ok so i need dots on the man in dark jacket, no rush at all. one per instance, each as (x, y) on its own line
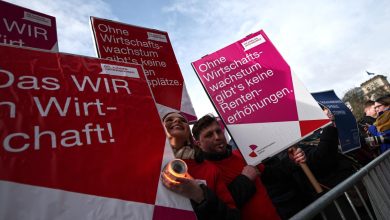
(365, 153)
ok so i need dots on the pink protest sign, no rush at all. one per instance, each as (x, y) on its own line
(27, 28)
(265, 107)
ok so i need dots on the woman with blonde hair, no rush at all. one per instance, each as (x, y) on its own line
(213, 201)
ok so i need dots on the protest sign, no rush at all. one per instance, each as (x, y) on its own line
(345, 121)
(27, 28)
(264, 105)
(80, 139)
(151, 48)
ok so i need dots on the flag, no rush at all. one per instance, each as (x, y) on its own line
(370, 73)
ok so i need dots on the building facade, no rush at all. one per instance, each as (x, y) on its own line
(375, 87)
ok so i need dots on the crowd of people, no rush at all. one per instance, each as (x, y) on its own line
(374, 129)
(220, 185)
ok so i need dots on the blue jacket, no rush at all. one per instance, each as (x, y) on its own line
(373, 130)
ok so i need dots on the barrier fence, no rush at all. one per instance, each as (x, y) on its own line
(371, 201)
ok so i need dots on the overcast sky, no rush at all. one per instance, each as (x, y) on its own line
(328, 44)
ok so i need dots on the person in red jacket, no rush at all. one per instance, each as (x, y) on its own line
(203, 185)
(211, 139)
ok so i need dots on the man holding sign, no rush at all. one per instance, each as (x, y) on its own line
(210, 138)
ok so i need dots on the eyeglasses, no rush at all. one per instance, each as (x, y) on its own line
(376, 107)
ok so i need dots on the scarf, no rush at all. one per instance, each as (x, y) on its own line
(382, 123)
(186, 152)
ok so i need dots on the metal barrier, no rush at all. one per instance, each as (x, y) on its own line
(376, 179)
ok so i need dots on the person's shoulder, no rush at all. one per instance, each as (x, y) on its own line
(237, 156)
(237, 153)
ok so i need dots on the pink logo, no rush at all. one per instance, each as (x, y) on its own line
(253, 153)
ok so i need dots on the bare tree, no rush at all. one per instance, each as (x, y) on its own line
(356, 99)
